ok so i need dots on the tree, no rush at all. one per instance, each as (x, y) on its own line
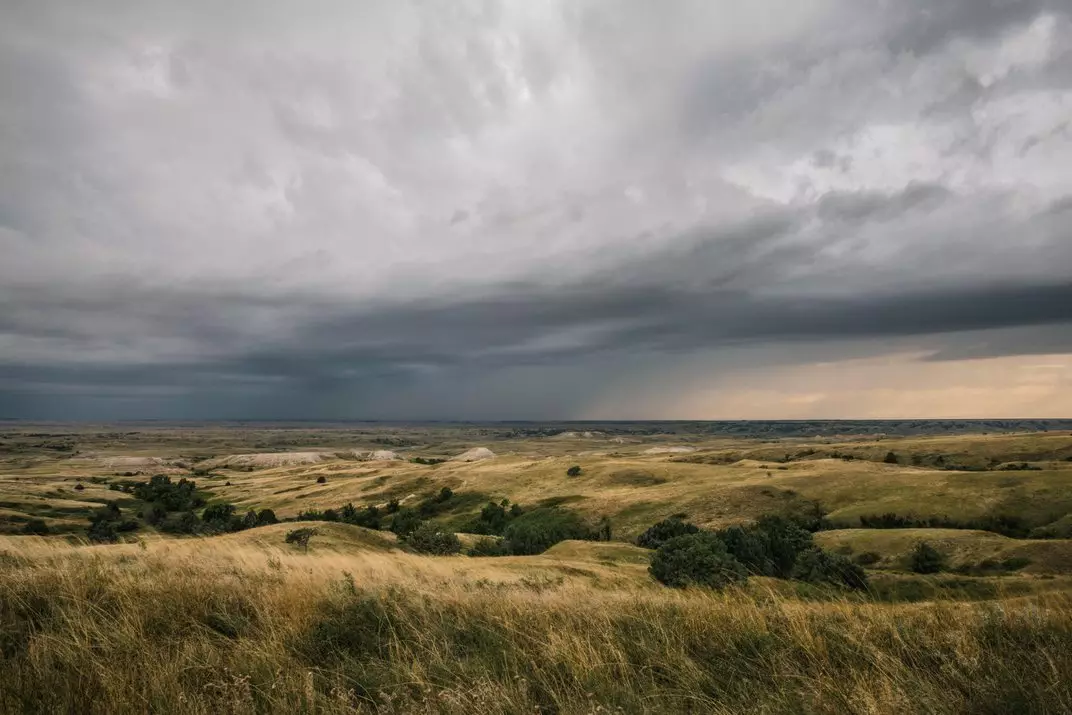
(573, 471)
(301, 537)
(667, 529)
(926, 559)
(699, 559)
(891, 458)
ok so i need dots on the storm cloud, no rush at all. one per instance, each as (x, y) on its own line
(508, 209)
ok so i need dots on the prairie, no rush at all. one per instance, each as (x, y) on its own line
(244, 622)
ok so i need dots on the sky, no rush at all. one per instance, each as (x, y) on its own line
(566, 209)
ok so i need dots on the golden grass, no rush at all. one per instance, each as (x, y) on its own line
(244, 624)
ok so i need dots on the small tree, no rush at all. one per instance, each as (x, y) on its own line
(697, 559)
(891, 458)
(301, 537)
(926, 559)
(574, 471)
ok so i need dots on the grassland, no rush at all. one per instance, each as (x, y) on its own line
(244, 623)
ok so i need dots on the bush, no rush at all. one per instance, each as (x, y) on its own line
(783, 541)
(266, 517)
(538, 530)
(171, 496)
(404, 523)
(868, 558)
(321, 479)
(574, 471)
(103, 532)
(890, 458)
(494, 518)
(698, 559)
(35, 527)
(748, 545)
(926, 559)
(667, 529)
(221, 517)
(369, 517)
(185, 522)
(819, 566)
(430, 539)
(489, 547)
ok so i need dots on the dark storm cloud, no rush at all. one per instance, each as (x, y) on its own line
(504, 204)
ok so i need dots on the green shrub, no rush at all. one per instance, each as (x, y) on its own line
(430, 539)
(266, 517)
(868, 558)
(103, 532)
(494, 518)
(698, 559)
(658, 534)
(35, 527)
(749, 546)
(574, 471)
(538, 530)
(369, 517)
(783, 540)
(489, 547)
(171, 496)
(221, 517)
(321, 479)
(816, 565)
(890, 458)
(185, 522)
(405, 522)
(926, 559)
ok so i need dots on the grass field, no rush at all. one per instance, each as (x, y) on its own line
(246, 623)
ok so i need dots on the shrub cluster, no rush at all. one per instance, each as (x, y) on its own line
(1005, 524)
(775, 546)
(108, 522)
(658, 534)
(428, 538)
(925, 559)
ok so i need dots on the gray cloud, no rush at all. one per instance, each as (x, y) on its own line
(395, 209)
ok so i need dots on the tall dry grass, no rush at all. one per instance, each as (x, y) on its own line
(218, 627)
